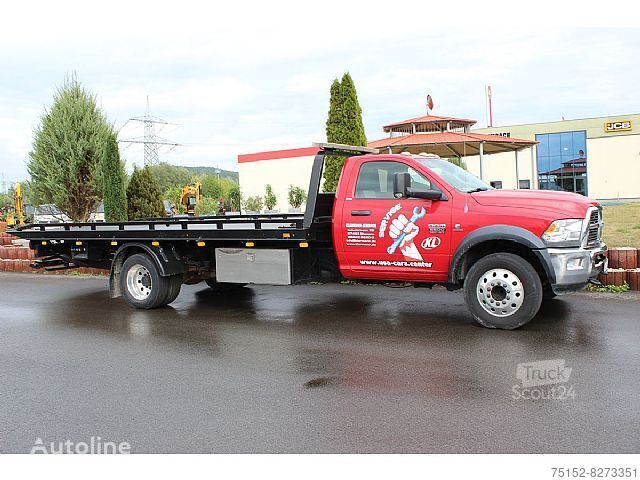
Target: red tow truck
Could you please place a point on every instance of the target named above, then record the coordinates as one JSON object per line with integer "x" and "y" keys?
{"x": 405, "y": 218}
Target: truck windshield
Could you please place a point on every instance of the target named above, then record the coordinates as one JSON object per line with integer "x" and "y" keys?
{"x": 455, "y": 176}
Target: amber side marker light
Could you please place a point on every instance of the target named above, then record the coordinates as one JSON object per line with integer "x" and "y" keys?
{"x": 201, "y": 244}
{"x": 78, "y": 243}
{"x": 249, "y": 244}
{"x": 114, "y": 244}
{"x": 155, "y": 244}
{"x": 304, "y": 244}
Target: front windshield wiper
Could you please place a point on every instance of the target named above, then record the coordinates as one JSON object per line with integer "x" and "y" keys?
{"x": 479, "y": 189}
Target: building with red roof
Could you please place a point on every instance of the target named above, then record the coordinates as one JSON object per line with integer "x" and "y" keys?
{"x": 595, "y": 156}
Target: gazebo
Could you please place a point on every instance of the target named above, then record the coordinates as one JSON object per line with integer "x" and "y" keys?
{"x": 448, "y": 137}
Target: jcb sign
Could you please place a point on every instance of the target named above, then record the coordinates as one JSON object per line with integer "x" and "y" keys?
{"x": 617, "y": 126}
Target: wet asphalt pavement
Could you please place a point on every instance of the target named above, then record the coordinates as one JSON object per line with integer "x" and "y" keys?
{"x": 319, "y": 368}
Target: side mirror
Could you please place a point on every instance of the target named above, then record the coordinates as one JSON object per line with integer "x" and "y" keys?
{"x": 426, "y": 194}
{"x": 402, "y": 189}
{"x": 401, "y": 184}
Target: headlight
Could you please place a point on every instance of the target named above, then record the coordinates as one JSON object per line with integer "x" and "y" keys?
{"x": 564, "y": 233}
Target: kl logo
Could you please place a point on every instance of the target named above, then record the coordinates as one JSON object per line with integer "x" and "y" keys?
{"x": 430, "y": 242}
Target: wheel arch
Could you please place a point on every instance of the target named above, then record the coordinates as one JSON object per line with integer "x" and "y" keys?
{"x": 165, "y": 258}
{"x": 499, "y": 239}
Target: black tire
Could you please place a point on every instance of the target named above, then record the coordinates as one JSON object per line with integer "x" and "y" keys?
{"x": 513, "y": 294}
{"x": 221, "y": 286}
{"x": 175, "y": 285}
{"x": 548, "y": 294}
{"x": 141, "y": 283}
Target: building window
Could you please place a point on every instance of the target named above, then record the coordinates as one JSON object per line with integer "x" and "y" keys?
{"x": 524, "y": 184}
{"x": 562, "y": 161}
{"x": 496, "y": 184}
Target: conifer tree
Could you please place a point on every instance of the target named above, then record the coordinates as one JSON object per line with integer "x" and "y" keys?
{"x": 144, "y": 199}
{"x": 344, "y": 125}
{"x": 113, "y": 177}
{"x": 66, "y": 159}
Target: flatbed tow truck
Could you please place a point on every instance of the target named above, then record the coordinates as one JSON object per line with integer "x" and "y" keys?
{"x": 393, "y": 218}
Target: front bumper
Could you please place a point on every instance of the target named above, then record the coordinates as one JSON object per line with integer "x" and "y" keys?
{"x": 573, "y": 267}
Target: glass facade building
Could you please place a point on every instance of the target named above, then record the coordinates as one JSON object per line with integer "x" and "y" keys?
{"x": 562, "y": 161}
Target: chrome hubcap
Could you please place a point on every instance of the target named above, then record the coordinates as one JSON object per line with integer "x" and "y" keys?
{"x": 139, "y": 282}
{"x": 500, "y": 292}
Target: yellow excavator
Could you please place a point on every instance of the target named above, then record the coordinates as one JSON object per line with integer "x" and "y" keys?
{"x": 17, "y": 216}
{"x": 190, "y": 197}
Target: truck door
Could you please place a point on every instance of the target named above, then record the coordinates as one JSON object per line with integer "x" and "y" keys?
{"x": 394, "y": 238}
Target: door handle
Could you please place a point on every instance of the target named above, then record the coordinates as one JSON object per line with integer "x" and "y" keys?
{"x": 360, "y": 213}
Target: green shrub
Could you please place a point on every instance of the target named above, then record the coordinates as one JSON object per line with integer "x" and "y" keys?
{"x": 253, "y": 204}
{"x": 270, "y": 199}
{"x": 235, "y": 198}
{"x": 297, "y": 196}
{"x": 207, "y": 206}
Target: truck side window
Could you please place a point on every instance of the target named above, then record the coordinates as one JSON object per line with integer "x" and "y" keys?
{"x": 375, "y": 179}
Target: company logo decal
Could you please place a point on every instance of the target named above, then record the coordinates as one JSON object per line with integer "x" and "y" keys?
{"x": 430, "y": 243}
{"x": 618, "y": 126}
{"x": 401, "y": 231}
{"x": 437, "y": 227}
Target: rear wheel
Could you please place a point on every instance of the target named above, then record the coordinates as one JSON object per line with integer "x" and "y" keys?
{"x": 175, "y": 285}
{"x": 503, "y": 290}
{"x": 222, "y": 286}
{"x": 141, "y": 283}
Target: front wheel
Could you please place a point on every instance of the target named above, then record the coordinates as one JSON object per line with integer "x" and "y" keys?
{"x": 503, "y": 290}
{"x": 141, "y": 283}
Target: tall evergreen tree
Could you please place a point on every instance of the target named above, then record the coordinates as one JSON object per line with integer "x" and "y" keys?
{"x": 66, "y": 157}
{"x": 344, "y": 125}
{"x": 144, "y": 199}
{"x": 113, "y": 177}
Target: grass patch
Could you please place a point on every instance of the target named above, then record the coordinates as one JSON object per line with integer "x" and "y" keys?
{"x": 622, "y": 225}
{"x": 609, "y": 288}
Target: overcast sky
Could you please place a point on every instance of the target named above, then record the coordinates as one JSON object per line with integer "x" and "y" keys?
{"x": 249, "y": 77}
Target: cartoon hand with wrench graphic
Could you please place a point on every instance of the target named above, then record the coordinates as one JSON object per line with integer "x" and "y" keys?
{"x": 403, "y": 231}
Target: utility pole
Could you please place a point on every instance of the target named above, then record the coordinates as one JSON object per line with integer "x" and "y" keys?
{"x": 150, "y": 140}
{"x": 489, "y": 95}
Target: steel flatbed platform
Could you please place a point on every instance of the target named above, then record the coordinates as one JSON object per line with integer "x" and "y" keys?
{"x": 228, "y": 227}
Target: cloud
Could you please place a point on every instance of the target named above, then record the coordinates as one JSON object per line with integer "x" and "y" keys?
{"x": 247, "y": 76}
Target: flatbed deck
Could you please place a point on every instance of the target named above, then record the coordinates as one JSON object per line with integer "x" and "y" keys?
{"x": 228, "y": 227}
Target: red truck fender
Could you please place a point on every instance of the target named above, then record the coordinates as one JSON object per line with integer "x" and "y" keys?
{"x": 508, "y": 233}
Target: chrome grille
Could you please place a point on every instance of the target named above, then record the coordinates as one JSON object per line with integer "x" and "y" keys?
{"x": 594, "y": 229}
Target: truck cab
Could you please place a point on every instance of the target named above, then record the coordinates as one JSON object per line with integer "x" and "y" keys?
{"x": 422, "y": 219}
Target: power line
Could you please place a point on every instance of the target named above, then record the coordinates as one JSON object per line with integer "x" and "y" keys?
{"x": 151, "y": 141}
